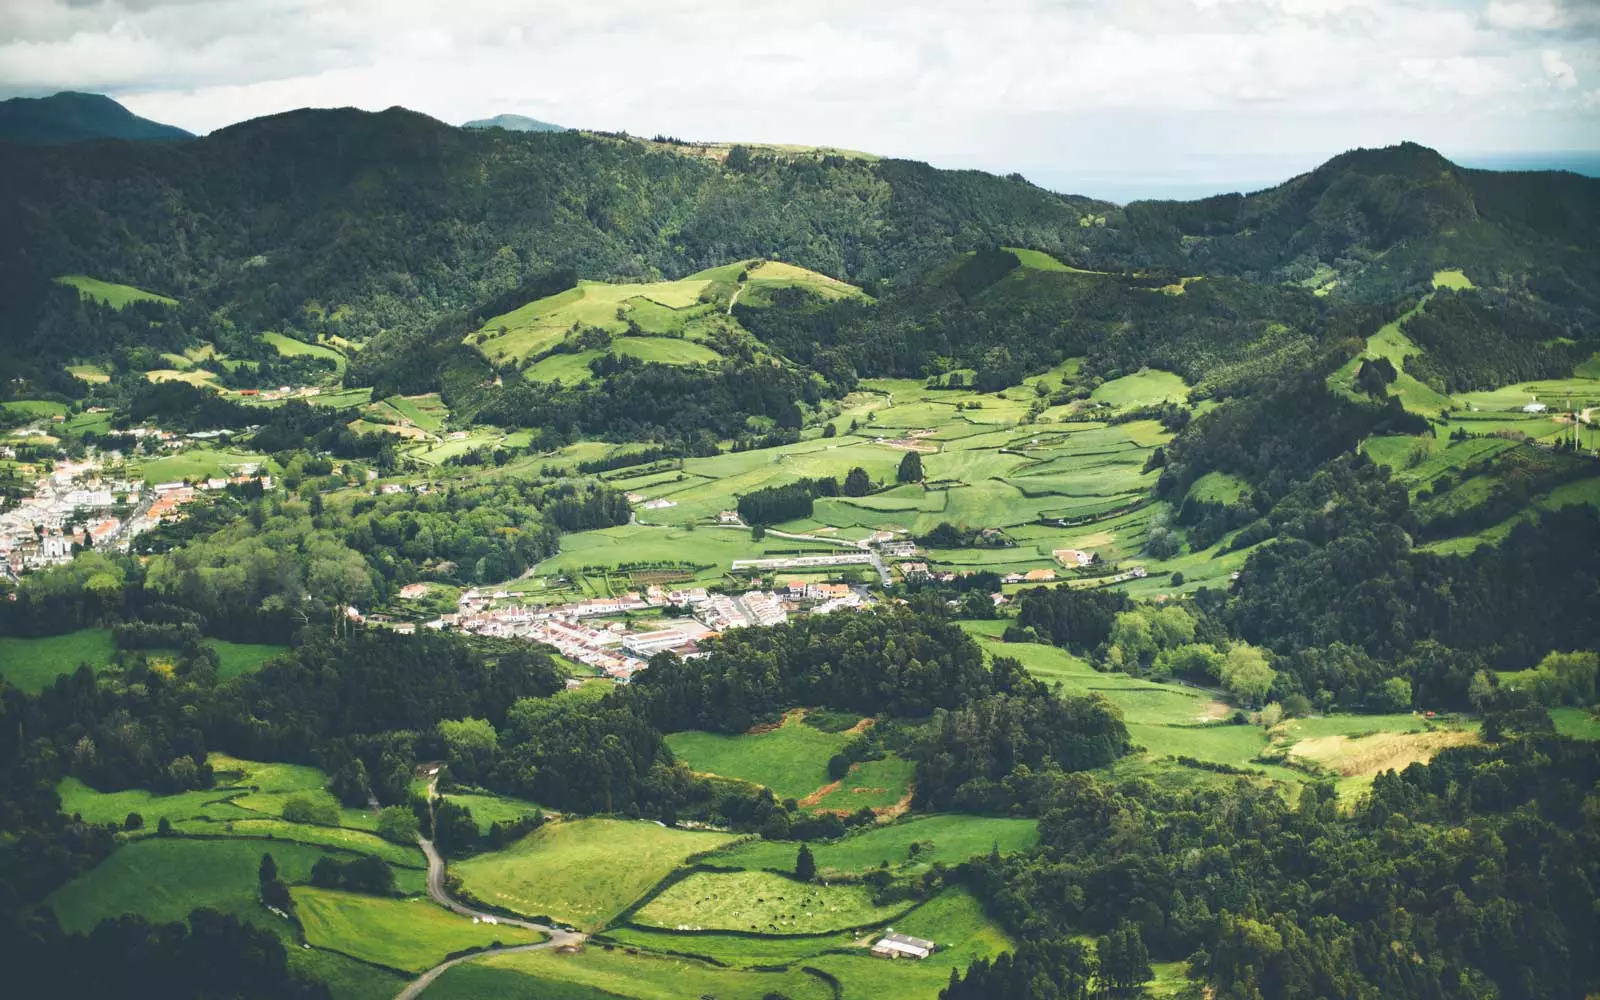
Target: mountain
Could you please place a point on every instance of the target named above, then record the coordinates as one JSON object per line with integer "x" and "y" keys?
{"x": 73, "y": 117}
{"x": 370, "y": 226}
{"x": 514, "y": 123}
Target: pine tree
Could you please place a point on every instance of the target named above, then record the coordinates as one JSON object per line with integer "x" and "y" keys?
{"x": 805, "y": 866}
{"x": 910, "y": 468}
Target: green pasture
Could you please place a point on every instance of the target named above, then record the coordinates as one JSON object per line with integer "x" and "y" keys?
{"x": 583, "y": 872}
{"x": 410, "y": 934}
{"x": 427, "y": 412}
{"x": 200, "y": 461}
{"x": 34, "y": 408}
{"x": 163, "y": 879}
{"x": 571, "y": 369}
{"x": 948, "y": 838}
{"x": 290, "y": 347}
{"x": 110, "y": 293}
{"x": 873, "y": 784}
{"x": 88, "y": 372}
{"x": 609, "y": 973}
{"x": 33, "y": 664}
{"x": 489, "y": 809}
{"x": 792, "y": 760}
{"x": 1144, "y": 388}
{"x": 760, "y": 902}
{"x": 347, "y": 978}
{"x": 954, "y": 920}
{"x": 1577, "y": 723}
{"x": 1218, "y": 487}
{"x": 237, "y": 658}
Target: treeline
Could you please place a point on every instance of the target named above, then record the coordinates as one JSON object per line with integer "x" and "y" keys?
{"x": 1474, "y": 340}
{"x": 1467, "y": 877}
{"x": 776, "y": 504}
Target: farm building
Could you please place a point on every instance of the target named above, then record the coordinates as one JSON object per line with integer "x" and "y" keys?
{"x": 1534, "y": 408}
{"x": 893, "y": 945}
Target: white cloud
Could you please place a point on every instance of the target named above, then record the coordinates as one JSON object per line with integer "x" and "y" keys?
{"x": 1558, "y": 69}
{"x": 1025, "y": 81}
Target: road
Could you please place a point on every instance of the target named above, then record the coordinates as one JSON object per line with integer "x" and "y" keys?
{"x": 557, "y": 936}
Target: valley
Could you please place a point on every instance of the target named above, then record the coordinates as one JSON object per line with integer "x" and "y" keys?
{"x": 719, "y": 568}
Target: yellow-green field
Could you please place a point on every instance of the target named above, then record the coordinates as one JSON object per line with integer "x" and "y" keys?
{"x": 406, "y": 934}
{"x": 582, "y": 872}
{"x": 110, "y": 293}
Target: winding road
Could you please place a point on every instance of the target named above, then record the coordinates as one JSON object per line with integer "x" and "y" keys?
{"x": 557, "y": 937}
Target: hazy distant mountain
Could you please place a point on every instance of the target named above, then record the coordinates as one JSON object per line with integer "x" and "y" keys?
{"x": 515, "y": 123}
{"x": 74, "y": 117}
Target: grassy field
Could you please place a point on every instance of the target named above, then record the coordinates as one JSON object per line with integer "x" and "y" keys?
{"x": 162, "y": 879}
{"x": 290, "y": 347}
{"x": 1578, "y": 723}
{"x": 237, "y": 658}
{"x": 490, "y": 809}
{"x": 607, "y": 974}
{"x": 880, "y": 785}
{"x": 582, "y": 872}
{"x": 950, "y": 839}
{"x": 954, "y": 920}
{"x": 1144, "y": 388}
{"x": 31, "y": 665}
{"x": 34, "y": 407}
{"x": 792, "y": 760}
{"x": 109, "y": 293}
{"x": 572, "y": 369}
{"x": 762, "y": 903}
{"x": 406, "y": 934}
{"x": 347, "y": 978}
{"x": 199, "y": 462}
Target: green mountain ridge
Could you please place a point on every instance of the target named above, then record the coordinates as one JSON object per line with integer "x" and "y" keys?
{"x": 514, "y": 123}
{"x": 75, "y": 117}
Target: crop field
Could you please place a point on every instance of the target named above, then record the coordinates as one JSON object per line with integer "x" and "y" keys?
{"x": 792, "y": 760}
{"x": 110, "y": 293}
{"x": 92, "y": 373}
{"x": 762, "y": 903}
{"x": 569, "y": 871}
{"x": 163, "y": 878}
{"x": 406, "y": 934}
{"x": 601, "y": 974}
{"x": 31, "y": 665}
{"x": 949, "y": 838}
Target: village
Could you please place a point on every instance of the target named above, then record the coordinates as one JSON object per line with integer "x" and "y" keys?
{"x": 604, "y": 634}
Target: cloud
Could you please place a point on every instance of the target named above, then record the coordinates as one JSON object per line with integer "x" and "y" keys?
{"x": 1024, "y": 81}
{"x": 1558, "y": 69}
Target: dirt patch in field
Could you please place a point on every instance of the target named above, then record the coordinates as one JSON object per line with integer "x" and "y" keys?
{"x": 794, "y": 714}
{"x": 1214, "y": 710}
{"x": 820, "y": 794}
{"x": 861, "y": 726}
{"x": 1380, "y": 752}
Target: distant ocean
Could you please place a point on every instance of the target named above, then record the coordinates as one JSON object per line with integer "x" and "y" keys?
{"x": 1203, "y": 177}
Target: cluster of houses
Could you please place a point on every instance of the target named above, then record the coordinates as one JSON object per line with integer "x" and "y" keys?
{"x": 616, "y": 648}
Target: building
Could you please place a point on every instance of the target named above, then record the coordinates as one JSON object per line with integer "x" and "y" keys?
{"x": 914, "y": 570}
{"x": 1534, "y": 408}
{"x": 647, "y": 644}
{"x": 1039, "y": 575}
{"x": 1072, "y": 557}
{"x": 728, "y": 517}
{"x": 893, "y": 945}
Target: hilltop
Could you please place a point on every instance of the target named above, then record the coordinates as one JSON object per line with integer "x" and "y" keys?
{"x": 514, "y": 123}
{"x": 73, "y": 117}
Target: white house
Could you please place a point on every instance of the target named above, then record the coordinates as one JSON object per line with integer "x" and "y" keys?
{"x": 1534, "y": 408}
{"x": 894, "y": 945}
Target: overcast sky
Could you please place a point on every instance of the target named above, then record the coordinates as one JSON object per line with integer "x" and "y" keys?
{"x": 1065, "y": 91}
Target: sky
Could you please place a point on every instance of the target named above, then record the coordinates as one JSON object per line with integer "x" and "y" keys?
{"x": 1114, "y": 98}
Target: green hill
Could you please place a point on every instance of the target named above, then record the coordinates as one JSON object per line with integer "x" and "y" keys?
{"x": 514, "y": 123}
{"x": 73, "y": 117}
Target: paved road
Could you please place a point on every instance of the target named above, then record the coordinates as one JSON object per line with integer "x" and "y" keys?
{"x": 557, "y": 936}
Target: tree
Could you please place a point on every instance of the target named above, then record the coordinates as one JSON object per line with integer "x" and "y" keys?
{"x": 399, "y": 824}
{"x": 1246, "y": 673}
{"x": 133, "y": 822}
{"x": 910, "y": 470}
{"x": 1124, "y": 959}
{"x": 273, "y": 892}
{"x": 1394, "y": 695}
{"x": 857, "y": 483}
{"x": 268, "y": 872}
{"x": 805, "y": 866}
{"x": 303, "y": 809}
